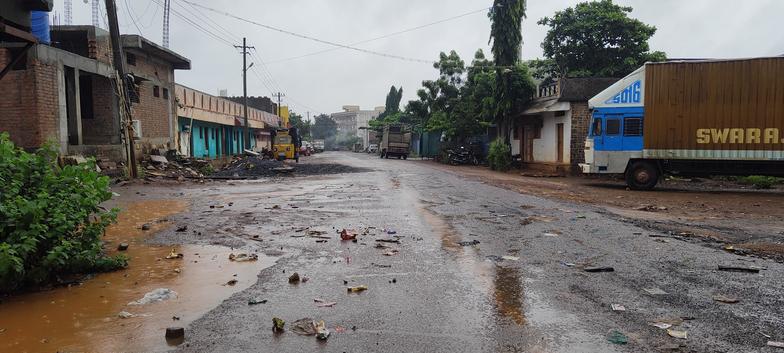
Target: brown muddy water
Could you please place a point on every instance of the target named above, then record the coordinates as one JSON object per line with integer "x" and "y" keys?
{"x": 84, "y": 318}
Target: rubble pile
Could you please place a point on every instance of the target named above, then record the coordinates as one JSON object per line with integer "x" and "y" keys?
{"x": 160, "y": 166}
{"x": 255, "y": 167}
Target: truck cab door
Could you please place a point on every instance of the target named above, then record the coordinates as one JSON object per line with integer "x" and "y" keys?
{"x": 612, "y": 139}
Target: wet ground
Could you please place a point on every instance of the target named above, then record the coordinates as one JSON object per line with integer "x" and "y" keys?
{"x": 454, "y": 261}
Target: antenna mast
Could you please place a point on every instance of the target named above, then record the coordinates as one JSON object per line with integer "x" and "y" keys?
{"x": 166, "y": 10}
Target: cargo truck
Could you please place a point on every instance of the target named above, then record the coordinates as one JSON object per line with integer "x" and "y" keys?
{"x": 690, "y": 118}
{"x": 395, "y": 142}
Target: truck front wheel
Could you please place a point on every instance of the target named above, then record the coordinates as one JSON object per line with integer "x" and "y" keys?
{"x": 642, "y": 176}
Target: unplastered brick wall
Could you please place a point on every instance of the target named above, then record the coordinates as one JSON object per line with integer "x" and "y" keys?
{"x": 103, "y": 128}
{"x": 100, "y": 48}
{"x": 154, "y": 112}
{"x": 581, "y": 120}
{"x": 29, "y": 104}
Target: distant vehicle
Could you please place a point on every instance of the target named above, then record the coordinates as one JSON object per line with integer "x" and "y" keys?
{"x": 318, "y": 146}
{"x": 690, "y": 118}
{"x": 396, "y": 142}
{"x": 372, "y": 148}
{"x": 462, "y": 155}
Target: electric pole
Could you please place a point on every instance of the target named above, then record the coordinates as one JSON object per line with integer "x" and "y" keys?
{"x": 119, "y": 66}
{"x": 245, "y": 68}
{"x": 279, "y": 96}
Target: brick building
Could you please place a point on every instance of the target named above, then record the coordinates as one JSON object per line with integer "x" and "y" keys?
{"x": 550, "y": 134}
{"x": 66, "y": 94}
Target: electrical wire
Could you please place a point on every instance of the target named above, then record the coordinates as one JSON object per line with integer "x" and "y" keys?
{"x": 196, "y": 25}
{"x": 303, "y": 36}
{"x": 130, "y": 14}
{"x": 383, "y": 36}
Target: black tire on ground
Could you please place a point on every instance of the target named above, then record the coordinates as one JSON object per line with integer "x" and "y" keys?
{"x": 642, "y": 176}
{"x": 381, "y": 155}
{"x": 386, "y": 155}
{"x": 405, "y": 156}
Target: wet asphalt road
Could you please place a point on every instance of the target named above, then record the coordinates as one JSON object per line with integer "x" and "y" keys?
{"x": 438, "y": 296}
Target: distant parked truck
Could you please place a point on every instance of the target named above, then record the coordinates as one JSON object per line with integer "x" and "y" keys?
{"x": 690, "y": 118}
{"x": 396, "y": 142}
{"x": 318, "y": 146}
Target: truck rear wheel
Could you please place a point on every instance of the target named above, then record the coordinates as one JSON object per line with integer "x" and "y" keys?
{"x": 642, "y": 176}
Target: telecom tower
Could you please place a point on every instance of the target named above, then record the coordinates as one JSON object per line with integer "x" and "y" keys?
{"x": 96, "y": 11}
{"x": 68, "y": 12}
{"x": 166, "y": 9}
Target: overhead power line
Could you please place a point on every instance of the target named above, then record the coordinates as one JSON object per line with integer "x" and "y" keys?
{"x": 303, "y": 36}
{"x": 383, "y": 36}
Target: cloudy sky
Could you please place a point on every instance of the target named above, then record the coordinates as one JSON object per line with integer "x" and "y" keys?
{"x": 324, "y": 82}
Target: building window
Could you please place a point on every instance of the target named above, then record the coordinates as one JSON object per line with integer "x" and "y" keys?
{"x": 613, "y": 127}
{"x": 130, "y": 59}
{"x": 156, "y": 91}
{"x": 632, "y": 127}
{"x": 165, "y": 93}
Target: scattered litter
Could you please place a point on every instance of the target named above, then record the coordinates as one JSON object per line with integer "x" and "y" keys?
{"x": 677, "y": 333}
{"x": 654, "y": 291}
{"x": 277, "y": 324}
{"x": 122, "y": 247}
{"x": 347, "y": 234}
{"x": 157, "y": 295}
{"x": 617, "y": 307}
{"x": 739, "y": 269}
{"x": 340, "y": 329}
{"x": 468, "y": 243}
{"x": 392, "y": 252}
{"x": 305, "y": 327}
{"x": 294, "y": 278}
{"x": 174, "y": 255}
{"x": 242, "y": 257}
{"x": 661, "y": 325}
{"x": 394, "y": 241}
{"x": 125, "y": 315}
{"x": 256, "y": 301}
{"x": 617, "y": 338}
{"x": 177, "y": 270}
{"x": 510, "y": 258}
{"x": 231, "y": 282}
{"x": 357, "y": 289}
{"x": 327, "y": 305}
{"x": 550, "y": 234}
{"x": 725, "y": 299}
{"x": 146, "y": 226}
{"x": 581, "y": 217}
{"x": 775, "y": 344}
{"x": 599, "y": 269}
{"x": 391, "y": 232}
{"x": 381, "y": 265}
{"x": 321, "y": 330}
{"x": 568, "y": 264}
{"x": 182, "y": 228}
{"x": 305, "y": 279}
{"x": 316, "y": 232}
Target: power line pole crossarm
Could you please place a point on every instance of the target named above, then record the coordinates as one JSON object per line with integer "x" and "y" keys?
{"x": 245, "y": 67}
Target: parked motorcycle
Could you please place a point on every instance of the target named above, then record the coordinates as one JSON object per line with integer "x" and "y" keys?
{"x": 462, "y": 156}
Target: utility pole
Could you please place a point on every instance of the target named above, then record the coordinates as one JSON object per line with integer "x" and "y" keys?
{"x": 119, "y": 66}
{"x": 279, "y": 96}
{"x": 245, "y": 68}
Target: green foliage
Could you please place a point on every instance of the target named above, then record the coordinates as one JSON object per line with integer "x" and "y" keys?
{"x": 500, "y": 155}
{"x": 50, "y": 220}
{"x": 759, "y": 181}
{"x": 507, "y": 40}
{"x": 302, "y": 125}
{"x": 323, "y": 127}
{"x": 595, "y": 39}
{"x": 207, "y": 169}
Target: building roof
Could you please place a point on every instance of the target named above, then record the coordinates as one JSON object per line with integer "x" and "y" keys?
{"x": 134, "y": 41}
{"x": 583, "y": 89}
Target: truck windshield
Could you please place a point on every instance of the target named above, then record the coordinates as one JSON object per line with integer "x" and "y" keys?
{"x": 597, "y": 127}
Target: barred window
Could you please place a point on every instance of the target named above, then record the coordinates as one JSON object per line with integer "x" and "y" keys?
{"x": 632, "y": 127}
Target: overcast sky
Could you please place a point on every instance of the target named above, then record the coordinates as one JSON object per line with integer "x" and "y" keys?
{"x": 325, "y": 82}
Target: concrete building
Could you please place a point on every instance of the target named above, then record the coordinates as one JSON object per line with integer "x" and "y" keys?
{"x": 213, "y": 127}
{"x": 353, "y": 121}
{"x": 550, "y": 134}
{"x": 65, "y": 93}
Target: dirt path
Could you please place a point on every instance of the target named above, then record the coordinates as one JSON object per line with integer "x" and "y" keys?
{"x": 722, "y": 214}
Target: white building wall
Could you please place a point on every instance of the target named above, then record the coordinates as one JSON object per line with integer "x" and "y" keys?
{"x": 545, "y": 148}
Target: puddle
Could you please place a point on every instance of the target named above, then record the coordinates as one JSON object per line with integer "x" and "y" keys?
{"x": 85, "y": 317}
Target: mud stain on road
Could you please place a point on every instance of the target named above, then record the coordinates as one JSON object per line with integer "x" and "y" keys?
{"x": 508, "y": 294}
{"x": 85, "y": 317}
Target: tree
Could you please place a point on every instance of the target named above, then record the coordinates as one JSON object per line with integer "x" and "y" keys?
{"x": 506, "y": 37}
{"x": 301, "y": 124}
{"x": 393, "y": 100}
{"x": 324, "y": 127}
{"x": 595, "y": 39}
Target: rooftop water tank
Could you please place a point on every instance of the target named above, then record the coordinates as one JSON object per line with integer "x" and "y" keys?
{"x": 40, "y": 26}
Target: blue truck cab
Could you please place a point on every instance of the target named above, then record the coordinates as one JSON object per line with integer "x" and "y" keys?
{"x": 615, "y": 137}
